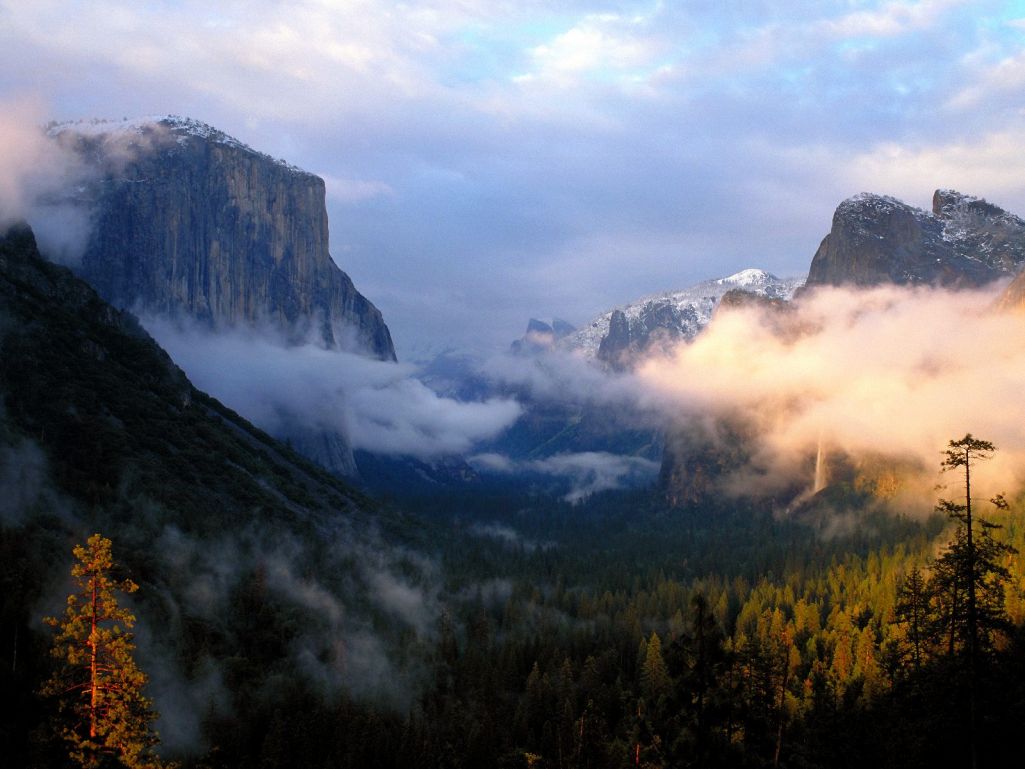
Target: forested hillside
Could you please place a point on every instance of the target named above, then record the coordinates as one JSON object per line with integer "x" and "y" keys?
{"x": 286, "y": 620}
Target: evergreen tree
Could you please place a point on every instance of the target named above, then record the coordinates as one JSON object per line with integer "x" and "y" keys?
{"x": 914, "y": 613}
{"x": 971, "y": 571}
{"x": 654, "y": 674}
{"x": 105, "y": 718}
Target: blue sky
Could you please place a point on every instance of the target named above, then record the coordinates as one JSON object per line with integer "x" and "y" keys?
{"x": 491, "y": 161}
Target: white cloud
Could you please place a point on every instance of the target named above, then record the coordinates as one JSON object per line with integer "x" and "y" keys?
{"x": 380, "y": 406}
{"x": 355, "y": 190}
{"x": 889, "y": 371}
{"x": 992, "y": 82}
{"x": 605, "y": 45}
{"x": 989, "y": 164}
{"x": 590, "y": 472}
{"x": 888, "y": 20}
{"x": 586, "y": 472}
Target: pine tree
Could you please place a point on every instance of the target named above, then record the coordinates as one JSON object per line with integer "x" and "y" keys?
{"x": 969, "y": 571}
{"x": 105, "y": 718}
{"x": 654, "y": 673}
{"x": 914, "y": 612}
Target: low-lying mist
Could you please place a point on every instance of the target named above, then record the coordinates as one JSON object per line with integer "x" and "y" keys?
{"x": 380, "y": 406}
{"x": 886, "y": 372}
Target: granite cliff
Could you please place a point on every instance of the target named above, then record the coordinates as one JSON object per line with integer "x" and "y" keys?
{"x": 188, "y": 221}
{"x": 875, "y": 239}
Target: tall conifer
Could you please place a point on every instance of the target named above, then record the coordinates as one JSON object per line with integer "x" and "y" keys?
{"x": 105, "y": 718}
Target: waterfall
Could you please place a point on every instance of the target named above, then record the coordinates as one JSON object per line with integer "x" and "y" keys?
{"x": 820, "y": 469}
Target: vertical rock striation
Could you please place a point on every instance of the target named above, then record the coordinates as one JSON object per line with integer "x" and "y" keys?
{"x": 189, "y": 221}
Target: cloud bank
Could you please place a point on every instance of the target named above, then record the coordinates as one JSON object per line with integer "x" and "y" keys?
{"x": 586, "y": 472}
{"x": 892, "y": 372}
{"x": 380, "y": 406}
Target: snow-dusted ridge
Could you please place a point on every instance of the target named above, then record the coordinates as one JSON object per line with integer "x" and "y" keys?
{"x": 183, "y": 128}
{"x": 693, "y": 306}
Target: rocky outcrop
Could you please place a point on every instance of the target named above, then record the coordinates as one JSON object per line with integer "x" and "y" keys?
{"x": 657, "y": 324}
{"x": 964, "y": 241}
{"x": 188, "y": 221}
{"x": 541, "y": 336}
{"x": 616, "y": 343}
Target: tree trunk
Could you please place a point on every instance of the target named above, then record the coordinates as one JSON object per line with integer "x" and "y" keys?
{"x": 973, "y": 632}
{"x": 92, "y": 666}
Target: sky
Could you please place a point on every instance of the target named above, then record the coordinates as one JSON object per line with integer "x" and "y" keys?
{"x": 488, "y": 162}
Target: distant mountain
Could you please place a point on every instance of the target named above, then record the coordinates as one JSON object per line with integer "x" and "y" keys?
{"x": 541, "y": 336}
{"x": 964, "y": 241}
{"x": 188, "y": 222}
{"x": 567, "y": 424}
{"x": 663, "y": 320}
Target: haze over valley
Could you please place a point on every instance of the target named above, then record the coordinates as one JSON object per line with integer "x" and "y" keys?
{"x": 473, "y": 386}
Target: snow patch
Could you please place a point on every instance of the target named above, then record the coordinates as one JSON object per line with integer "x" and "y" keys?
{"x": 693, "y": 306}
{"x": 183, "y": 128}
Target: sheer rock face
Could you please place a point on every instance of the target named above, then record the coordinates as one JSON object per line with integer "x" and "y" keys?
{"x": 615, "y": 344}
{"x": 189, "y": 221}
{"x": 963, "y": 242}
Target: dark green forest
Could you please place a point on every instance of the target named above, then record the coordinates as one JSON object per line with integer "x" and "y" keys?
{"x": 494, "y": 626}
{"x": 617, "y": 633}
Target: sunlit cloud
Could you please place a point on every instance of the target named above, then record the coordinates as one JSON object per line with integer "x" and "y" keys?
{"x": 889, "y": 371}
{"x": 989, "y": 164}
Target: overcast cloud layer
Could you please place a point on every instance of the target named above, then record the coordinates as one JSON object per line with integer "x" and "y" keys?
{"x": 488, "y": 161}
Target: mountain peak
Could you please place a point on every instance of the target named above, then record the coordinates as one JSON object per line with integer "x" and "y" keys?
{"x": 752, "y": 276}
{"x": 180, "y": 129}
{"x": 541, "y": 335}
{"x": 963, "y": 241}
{"x": 668, "y": 318}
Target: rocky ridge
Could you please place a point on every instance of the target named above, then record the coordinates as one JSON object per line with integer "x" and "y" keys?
{"x": 190, "y": 221}
{"x": 665, "y": 319}
{"x": 876, "y": 239}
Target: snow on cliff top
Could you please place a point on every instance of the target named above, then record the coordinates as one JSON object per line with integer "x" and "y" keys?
{"x": 182, "y": 127}
{"x": 697, "y": 302}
